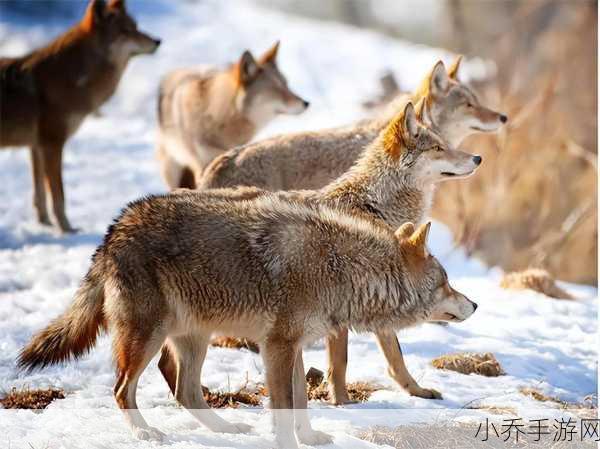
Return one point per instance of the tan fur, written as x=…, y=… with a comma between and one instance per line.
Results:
x=394, y=186
x=310, y=160
x=278, y=271
x=46, y=95
x=534, y=279
x=203, y=112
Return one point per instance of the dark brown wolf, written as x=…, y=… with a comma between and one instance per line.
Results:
x=46, y=95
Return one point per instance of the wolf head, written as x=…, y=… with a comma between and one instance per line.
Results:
x=115, y=28
x=452, y=108
x=437, y=301
x=263, y=90
x=422, y=152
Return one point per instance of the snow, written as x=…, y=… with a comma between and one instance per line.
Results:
x=547, y=344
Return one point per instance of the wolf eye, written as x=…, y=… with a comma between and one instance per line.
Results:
x=438, y=148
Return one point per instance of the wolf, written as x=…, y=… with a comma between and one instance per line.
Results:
x=176, y=269
x=204, y=112
x=310, y=160
x=46, y=95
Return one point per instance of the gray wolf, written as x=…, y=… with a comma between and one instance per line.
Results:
x=204, y=112
x=178, y=268
x=312, y=160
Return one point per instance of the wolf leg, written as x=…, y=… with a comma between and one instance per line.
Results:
x=388, y=342
x=52, y=155
x=189, y=352
x=170, y=170
x=133, y=351
x=306, y=434
x=168, y=367
x=39, y=192
x=337, y=353
x=279, y=356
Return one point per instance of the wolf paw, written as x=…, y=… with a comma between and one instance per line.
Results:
x=149, y=434
x=425, y=393
x=314, y=437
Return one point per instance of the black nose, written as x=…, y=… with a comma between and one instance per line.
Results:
x=306, y=104
x=157, y=42
x=477, y=160
x=503, y=118
x=475, y=306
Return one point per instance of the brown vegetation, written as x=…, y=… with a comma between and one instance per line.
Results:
x=533, y=202
x=244, y=395
x=235, y=343
x=357, y=391
x=536, y=280
x=465, y=363
x=31, y=399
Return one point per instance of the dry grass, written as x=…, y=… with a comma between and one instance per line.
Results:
x=495, y=410
x=216, y=399
x=235, y=343
x=533, y=202
x=31, y=399
x=586, y=409
x=539, y=396
x=357, y=391
x=534, y=279
x=465, y=363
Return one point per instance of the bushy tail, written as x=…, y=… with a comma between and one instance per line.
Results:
x=73, y=333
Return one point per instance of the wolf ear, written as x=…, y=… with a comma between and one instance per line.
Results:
x=405, y=231
x=247, y=68
x=94, y=14
x=410, y=124
x=402, y=128
x=117, y=5
x=453, y=70
x=438, y=82
x=270, y=55
x=419, y=238
x=419, y=109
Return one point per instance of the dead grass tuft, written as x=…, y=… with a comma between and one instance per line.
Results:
x=357, y=391
x=465, y=363
x=217, y=399
x=31, y=399
x=539, y=396
x=235, y=343
x=495, y=410
x=534, y=279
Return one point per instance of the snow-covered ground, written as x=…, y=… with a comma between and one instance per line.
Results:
x=547, y=344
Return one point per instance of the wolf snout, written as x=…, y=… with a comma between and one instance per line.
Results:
x=157, y=42
x=306, y=104
x=503, y=118
x=477, y=160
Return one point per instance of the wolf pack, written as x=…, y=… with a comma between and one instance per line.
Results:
x=281, y=241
